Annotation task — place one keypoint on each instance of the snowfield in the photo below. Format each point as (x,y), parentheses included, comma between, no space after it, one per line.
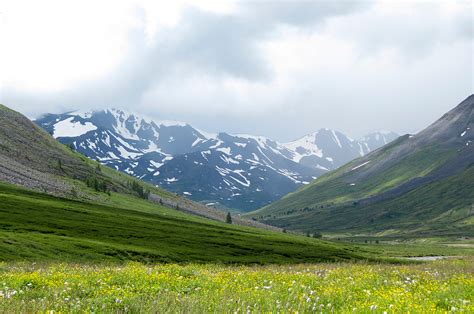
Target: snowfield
(68,128)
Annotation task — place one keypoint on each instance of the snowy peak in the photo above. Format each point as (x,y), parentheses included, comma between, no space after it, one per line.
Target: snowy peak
(234,170)
(378,139)
(328,149)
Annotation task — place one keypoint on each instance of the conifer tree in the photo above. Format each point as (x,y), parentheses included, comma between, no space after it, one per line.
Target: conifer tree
(228,218)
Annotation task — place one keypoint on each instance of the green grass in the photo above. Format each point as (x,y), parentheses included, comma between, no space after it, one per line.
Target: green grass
(442,209)
(435,287)
(334,188)
(36,226)
(331,204)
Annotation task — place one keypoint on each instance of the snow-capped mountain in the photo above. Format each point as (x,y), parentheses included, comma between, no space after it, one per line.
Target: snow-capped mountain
(328,149)
(237,171)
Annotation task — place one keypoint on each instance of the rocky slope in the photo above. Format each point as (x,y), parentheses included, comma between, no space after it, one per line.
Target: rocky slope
(418,183)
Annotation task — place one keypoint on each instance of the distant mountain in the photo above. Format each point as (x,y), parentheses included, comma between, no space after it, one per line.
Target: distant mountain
(418,184)
(328,149)
(242,172)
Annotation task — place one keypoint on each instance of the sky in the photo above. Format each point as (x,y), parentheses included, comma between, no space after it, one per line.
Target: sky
(276,68)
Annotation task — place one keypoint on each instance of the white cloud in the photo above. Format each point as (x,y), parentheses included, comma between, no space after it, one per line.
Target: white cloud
(246,67)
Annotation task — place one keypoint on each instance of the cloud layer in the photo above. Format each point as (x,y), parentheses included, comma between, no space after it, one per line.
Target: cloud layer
(276,68)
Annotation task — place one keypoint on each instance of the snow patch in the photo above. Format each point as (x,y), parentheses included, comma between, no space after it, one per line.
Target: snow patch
(305,146)
(68,128)
(225,150)
(229,160)
(336,139)
(156,164)
(361,165)
(197,141)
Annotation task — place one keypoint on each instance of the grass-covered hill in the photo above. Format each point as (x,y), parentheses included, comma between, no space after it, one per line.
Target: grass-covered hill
(36,226)
(57,205)
(417,185)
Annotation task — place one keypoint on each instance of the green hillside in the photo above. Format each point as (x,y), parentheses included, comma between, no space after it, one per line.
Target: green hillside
(418,185)
(35,226)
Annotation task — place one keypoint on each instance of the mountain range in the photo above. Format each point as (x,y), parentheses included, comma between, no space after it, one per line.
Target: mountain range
(419,184)
(241,172)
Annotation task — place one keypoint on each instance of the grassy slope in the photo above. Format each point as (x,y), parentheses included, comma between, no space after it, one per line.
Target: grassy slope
(444,206)
(36,226)
(334,188)
(417,185)
(329,203)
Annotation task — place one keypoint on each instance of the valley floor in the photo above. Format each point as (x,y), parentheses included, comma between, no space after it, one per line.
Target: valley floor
(439,286)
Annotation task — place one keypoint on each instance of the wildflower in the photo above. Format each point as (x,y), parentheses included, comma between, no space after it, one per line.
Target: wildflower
(373,307)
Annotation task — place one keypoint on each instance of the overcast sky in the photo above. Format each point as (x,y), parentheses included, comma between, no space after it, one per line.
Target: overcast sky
(276,68)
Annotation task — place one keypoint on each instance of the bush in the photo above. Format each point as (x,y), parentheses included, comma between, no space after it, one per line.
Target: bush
(138,188)
(97,184)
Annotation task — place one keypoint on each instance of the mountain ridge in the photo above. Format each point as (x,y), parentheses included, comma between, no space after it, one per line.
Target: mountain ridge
(242,171)
(375,185)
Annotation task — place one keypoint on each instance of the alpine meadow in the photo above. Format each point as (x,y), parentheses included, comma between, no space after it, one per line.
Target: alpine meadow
(237,156)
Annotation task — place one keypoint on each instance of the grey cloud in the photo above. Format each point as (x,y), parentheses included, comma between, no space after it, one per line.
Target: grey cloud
(300,12)
(413,29)
(206,45)
(219,45)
